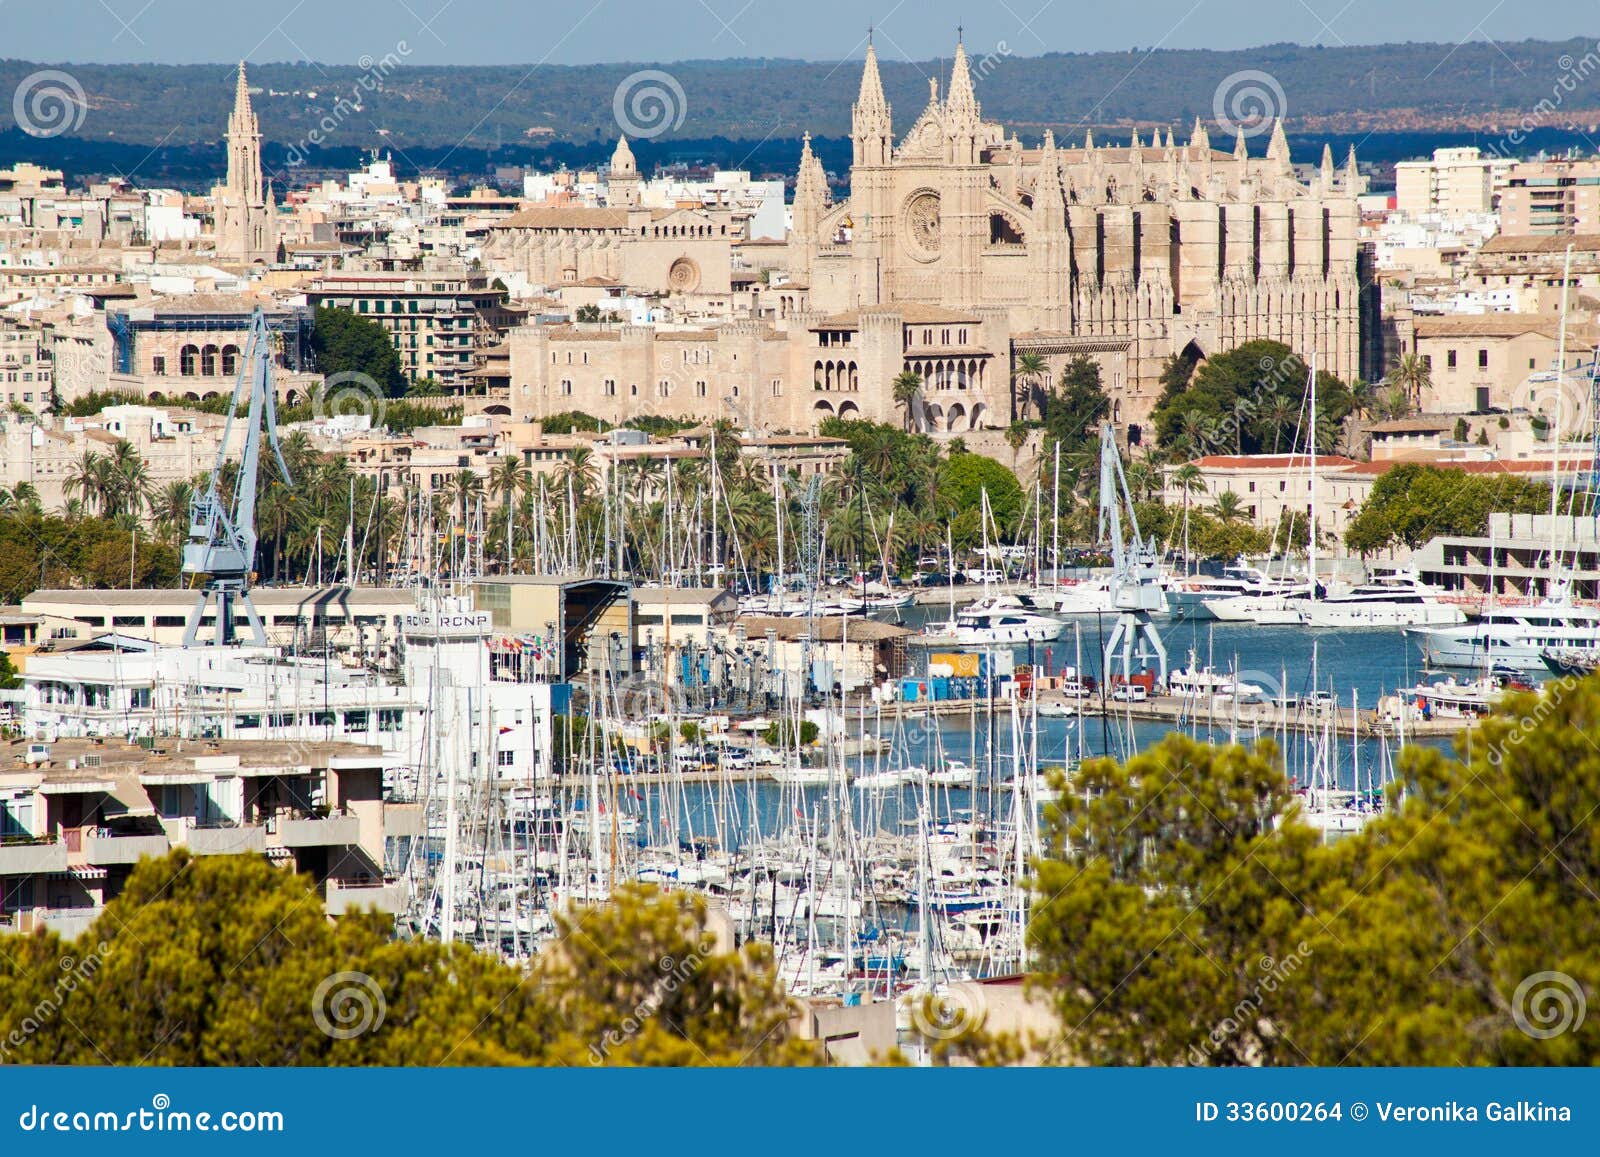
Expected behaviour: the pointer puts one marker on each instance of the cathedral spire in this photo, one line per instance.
(1325, 172)
(1200, 139)
(871, 120)
(241, 96)
(962, 98)
(1241, 151)
(1278, 147)
(1353, 183)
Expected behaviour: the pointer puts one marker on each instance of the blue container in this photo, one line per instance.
(940, 688)
(909, 689)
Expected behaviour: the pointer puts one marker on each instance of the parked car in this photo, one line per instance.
(936, 579)
(1130, 693)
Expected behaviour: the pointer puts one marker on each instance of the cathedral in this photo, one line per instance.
(1127, 254)
(242, 212)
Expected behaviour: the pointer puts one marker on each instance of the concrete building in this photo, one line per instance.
(77, 815)
(1495, 361)
(439, 321)
(191, 346)
(1454, 183)
(1551, 197)
(26, 377)
(1270, 486)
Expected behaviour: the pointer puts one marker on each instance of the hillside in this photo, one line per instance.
(1403, 87)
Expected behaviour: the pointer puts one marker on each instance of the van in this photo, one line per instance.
(1130, 693)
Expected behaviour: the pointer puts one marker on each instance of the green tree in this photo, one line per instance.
(228, 960)
(342, 341)
(965, 479)
(1254, 396)
(907, 390)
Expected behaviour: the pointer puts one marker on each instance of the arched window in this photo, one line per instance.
(208, 362)
(230, 360)
(186, 360)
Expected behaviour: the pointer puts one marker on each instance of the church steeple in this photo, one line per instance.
(871, 120)
(244, 146)
(243, 222)
(622, 187)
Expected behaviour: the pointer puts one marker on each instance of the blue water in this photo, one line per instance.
(1373, 662)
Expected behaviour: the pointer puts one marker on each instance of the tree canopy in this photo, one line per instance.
(1413, 503)
(1250, 400)
(1186, 916)
(228, 960)
(345, 342)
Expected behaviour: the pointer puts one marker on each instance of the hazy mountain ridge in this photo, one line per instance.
(1334, 89)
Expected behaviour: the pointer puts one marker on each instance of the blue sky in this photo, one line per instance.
(586, 31)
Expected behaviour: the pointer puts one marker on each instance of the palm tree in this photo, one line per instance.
(1413, 376)
(1188, 479)
(907, 389)
(1228, 507)
(1017, 436)
(87, 479)
(508, 479)
(462, 489)
(1197, 432)
(170, 508)
(1028, 369)
(580, 471)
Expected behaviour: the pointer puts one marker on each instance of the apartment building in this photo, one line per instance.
(1551, 197)
(439, 322)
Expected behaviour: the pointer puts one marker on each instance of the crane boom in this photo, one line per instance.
(222, 540)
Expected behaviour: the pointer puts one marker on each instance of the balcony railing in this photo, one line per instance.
(33, 857)
(318, 832)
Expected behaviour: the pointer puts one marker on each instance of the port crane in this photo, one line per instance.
(222, 538)
(1135, 566)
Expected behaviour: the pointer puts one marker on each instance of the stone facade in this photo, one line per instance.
(1135, 254)
(242, 209)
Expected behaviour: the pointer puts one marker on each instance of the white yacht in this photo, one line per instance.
(1002, 621)
(1194, 682)
(1516, 637)
(1246, 595)
(1089, 597)
(1284, 609)
(1396, 598)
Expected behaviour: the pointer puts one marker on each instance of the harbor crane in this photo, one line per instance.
(1135, 566)
(222, 539)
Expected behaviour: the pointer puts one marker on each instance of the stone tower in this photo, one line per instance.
(622, 187)
(243, 212)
